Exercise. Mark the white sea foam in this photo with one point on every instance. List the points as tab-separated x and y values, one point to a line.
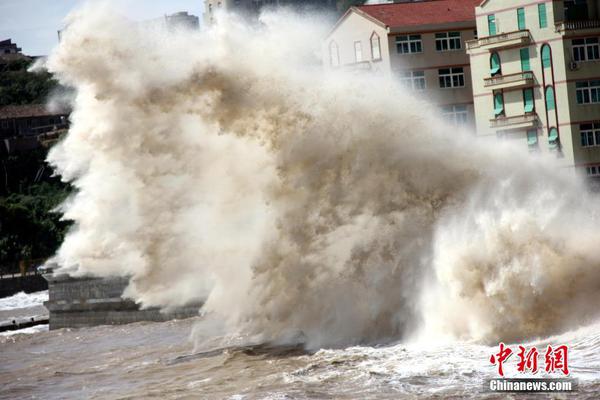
23	300
27	331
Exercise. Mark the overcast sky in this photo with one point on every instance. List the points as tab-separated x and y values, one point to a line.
33	24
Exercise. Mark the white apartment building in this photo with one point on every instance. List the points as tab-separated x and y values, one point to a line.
420	43
536	77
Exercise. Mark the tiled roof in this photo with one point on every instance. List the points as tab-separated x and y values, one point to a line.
428	12
29	110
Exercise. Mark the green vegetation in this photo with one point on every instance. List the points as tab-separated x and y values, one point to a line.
17	86
29	229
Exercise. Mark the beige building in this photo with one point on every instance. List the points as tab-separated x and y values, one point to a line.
422	44
536	77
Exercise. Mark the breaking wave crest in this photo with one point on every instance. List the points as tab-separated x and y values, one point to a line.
228	167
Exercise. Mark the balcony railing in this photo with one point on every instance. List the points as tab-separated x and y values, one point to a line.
525	119
500	39
498	80
358	66
576	25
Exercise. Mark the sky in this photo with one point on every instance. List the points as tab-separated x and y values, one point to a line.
33	24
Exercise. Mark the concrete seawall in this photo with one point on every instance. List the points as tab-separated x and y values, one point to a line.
86	301
31	282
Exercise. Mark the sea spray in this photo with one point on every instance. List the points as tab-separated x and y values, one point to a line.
331	208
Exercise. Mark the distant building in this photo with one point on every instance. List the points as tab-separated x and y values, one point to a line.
8	47
251	8
182	20
179	20
9	52
536	77
23	127
421	43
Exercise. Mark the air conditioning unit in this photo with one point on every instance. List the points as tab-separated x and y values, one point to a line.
573	66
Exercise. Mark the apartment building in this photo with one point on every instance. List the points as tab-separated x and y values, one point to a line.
422	44
536	77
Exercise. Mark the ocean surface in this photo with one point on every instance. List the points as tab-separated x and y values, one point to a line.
158	360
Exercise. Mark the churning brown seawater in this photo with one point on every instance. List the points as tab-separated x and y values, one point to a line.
156	360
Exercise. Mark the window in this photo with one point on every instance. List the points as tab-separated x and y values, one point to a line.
590	134
447	41
358	51
525	59
550	98
543	19
585	49
492	24
408	44
532	139
475	34
553	139
498	104
528	103
521	18
495	64
546	56
593	170
413	80
375	47
5	124
334	54
451	77
588	92
455	114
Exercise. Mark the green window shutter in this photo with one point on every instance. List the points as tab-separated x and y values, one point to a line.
550	98
546	58
553	138
542	15
521	18
528	100
532	138
525	59
494	63
498	104
492	24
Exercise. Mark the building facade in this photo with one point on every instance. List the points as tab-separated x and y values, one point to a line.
421	44
536	77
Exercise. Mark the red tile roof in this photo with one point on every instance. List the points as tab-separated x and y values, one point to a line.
428	12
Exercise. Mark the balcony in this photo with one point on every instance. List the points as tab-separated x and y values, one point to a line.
524	121
502	40
567	26
358	66
512	81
